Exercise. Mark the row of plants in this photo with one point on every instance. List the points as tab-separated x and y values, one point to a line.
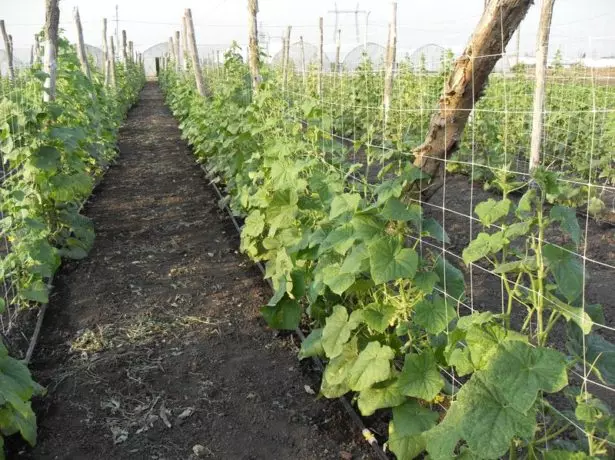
579	121
387	313
56	152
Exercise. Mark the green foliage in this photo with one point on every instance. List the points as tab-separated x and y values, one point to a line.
57	151
386	316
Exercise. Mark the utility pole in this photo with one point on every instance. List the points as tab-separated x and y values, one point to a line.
356	12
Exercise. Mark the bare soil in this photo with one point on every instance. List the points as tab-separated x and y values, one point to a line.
153	346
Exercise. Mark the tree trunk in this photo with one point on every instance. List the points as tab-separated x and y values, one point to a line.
467	82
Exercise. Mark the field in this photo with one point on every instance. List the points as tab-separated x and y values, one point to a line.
465	312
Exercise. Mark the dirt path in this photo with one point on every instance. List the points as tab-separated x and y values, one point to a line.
154	345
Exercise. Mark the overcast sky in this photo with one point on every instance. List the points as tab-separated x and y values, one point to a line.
578	25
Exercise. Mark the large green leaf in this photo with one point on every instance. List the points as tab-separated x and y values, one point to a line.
451	278
312	345
378	315
380	396
410	421
372	366
286	314
491	211
337	281
339	239
356	261
566	269
390	261
567	217
483	341
420	377
434	315
344	203
334	380
336	332
394	209
432	227
254	224
520	371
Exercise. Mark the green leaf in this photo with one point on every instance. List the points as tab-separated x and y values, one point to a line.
340	240
372	366
483	341
380	396
355	262
566	269
564	455
567	217
517	229
426	281
37	292
390	261
432	227
410	421
520	371
525	206
394	209
388	189
491	211
596	350
286	314
312	345
434	315
477	249
254	225
338	282
367	227
343	203
451	278
46	158
336	331
575	314
420	377
335	375
378	316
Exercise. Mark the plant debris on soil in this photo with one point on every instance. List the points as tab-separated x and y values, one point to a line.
153	347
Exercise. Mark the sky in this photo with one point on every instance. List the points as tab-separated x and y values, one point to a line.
579	26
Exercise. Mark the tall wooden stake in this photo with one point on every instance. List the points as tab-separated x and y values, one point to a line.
37	49
390	62
171	49
194	55
542	50
9	50
131	51
338	48
105	46
303	73
52	19
321	54
112	75
83	57
466	83
286	55
178	63
124	48
184	43
254	58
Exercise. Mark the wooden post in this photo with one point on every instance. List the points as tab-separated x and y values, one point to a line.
542	50
466	84
105	47
254	58
171	49
286	59
390	62
321	54
177	52
131	51
9	50
124	48
112	75
31	55
52	19
518	45
184	43
194	54
338	48
83	57
37	49
303	73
